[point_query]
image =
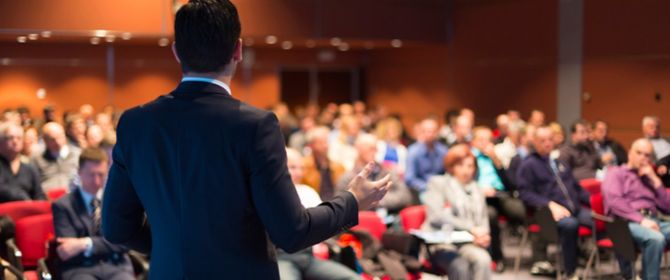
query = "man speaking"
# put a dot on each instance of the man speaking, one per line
(210, 171)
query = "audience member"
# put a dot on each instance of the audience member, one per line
(651, 128)
(492, 179)
(75, 130)
(298, 140)
(391, 153)
(580, 155)
(558, 138)
(83, 252)
(398, 195)
(507, 148)
(31, 146)
(18, 181)
(424, 158)
(610, 151)
(341, 148)
(455, 201)
(536, 118)
(58, 163)
(303, 264)
(94, 136)
(320, 172)
(635, 193)
(462, 131)
(447, 134)
(544, 182)
(502, 125)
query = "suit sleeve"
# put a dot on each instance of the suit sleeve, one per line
(123, 219)
(290, 226)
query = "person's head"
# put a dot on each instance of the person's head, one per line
(86, 111)
(536, 118)
(296, 167)
(317, 139)
(11, 140)
(93, 165)
(389, 129)
(651, 126)
(349, 126)
(502, 122)
(559, 134)
(482, 138)
(360, 107)
(11, 116)
(460, 163)
(599, 131)
(207, 37)
(428, 128)
(640, 153)
(75, 125)
(104, 120)
(24, 113)
(463, 128)
(451, 116)
(94, 136)
(515, 131)
(528, 135)
(514, 115)
(580, 131)
(345, 109)
(307, 123)
(467, 112)
(543, 140)
(49, 113)
(54, 137)
(30, 139)
(366, 146)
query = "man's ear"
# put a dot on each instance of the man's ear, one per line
(174, 52)
(237, 52)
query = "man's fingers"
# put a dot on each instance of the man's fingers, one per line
(365, 172)
(381, 182)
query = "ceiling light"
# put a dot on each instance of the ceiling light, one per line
(126, 35)
(271, 40)
(21, 39)
(163, 42)
(46, 34)
(343, 47)
(287, 45)
(100, 33)
(33, 36)
(95, 40)
(396, 43)
(110, 38)
(335, 41)
(249, 42)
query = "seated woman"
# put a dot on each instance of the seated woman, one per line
(454, 200)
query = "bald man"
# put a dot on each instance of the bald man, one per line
(398, 196)
(58, 164)
(635, 193)
(651, 128)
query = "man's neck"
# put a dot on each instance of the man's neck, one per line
(220, 76)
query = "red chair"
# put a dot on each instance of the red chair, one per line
(20, 209)
(369, 221)
(412, 217)
(591, 185)
(56, 193)
(599, 220)
(30, 244)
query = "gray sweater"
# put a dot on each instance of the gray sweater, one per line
(449, 202)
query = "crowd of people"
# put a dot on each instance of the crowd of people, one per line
(467, 175)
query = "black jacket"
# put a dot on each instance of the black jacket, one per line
(210, 172)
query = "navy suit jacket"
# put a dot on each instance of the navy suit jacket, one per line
(71, 219)
(210, 173)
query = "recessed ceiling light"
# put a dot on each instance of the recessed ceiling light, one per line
(126, 35)
(21, 39)
(335, 41)
(396, 43)
(249, 42)
(95, 40)
(163, 42)
(271, 40)
(343, 47)
(33, 36)
(100, 33)
(46, 34)
(287, 45)
(110, 38)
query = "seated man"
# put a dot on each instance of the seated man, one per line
(424, 158)
(302, 264)
(84, 254)
(544, 182)
(321, 173)
(398, 196)
(58, 164)
(634, 192)
(18, 181)
(581, 155)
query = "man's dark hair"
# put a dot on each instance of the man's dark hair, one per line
(582, 122)
(92, 155)
(206, 33)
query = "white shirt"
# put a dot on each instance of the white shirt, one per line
(208, 80)
(308, 196)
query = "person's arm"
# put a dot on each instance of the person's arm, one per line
(123, 219)
(412, 177)
(525, 183)
(615, 198)
(290, 226)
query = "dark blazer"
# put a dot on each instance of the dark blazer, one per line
(210, 172)
(71, 219)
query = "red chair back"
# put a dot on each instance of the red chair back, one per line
(413, 217)
(369, 221)
(56, 193)
(21, 209)
(591, 185)
(32, 234)
(598, 206)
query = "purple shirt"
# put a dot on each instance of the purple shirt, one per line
(625, 193)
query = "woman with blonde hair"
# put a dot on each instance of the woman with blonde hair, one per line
(390, 152)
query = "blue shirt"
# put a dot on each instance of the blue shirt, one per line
(87, 197)
(422, 163)
(487, 175)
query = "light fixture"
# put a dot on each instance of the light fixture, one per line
(126, 36)
(396, 43)
(33, 36)
(271, 40)
(100, 33)
(95, 40)
(110, 38)
(21, 39)
(41, 93)
(46, 34)
(286, 45)
(335, 41)
(163, 42)
(249, 42)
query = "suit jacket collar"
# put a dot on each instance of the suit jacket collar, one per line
(194, 87)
